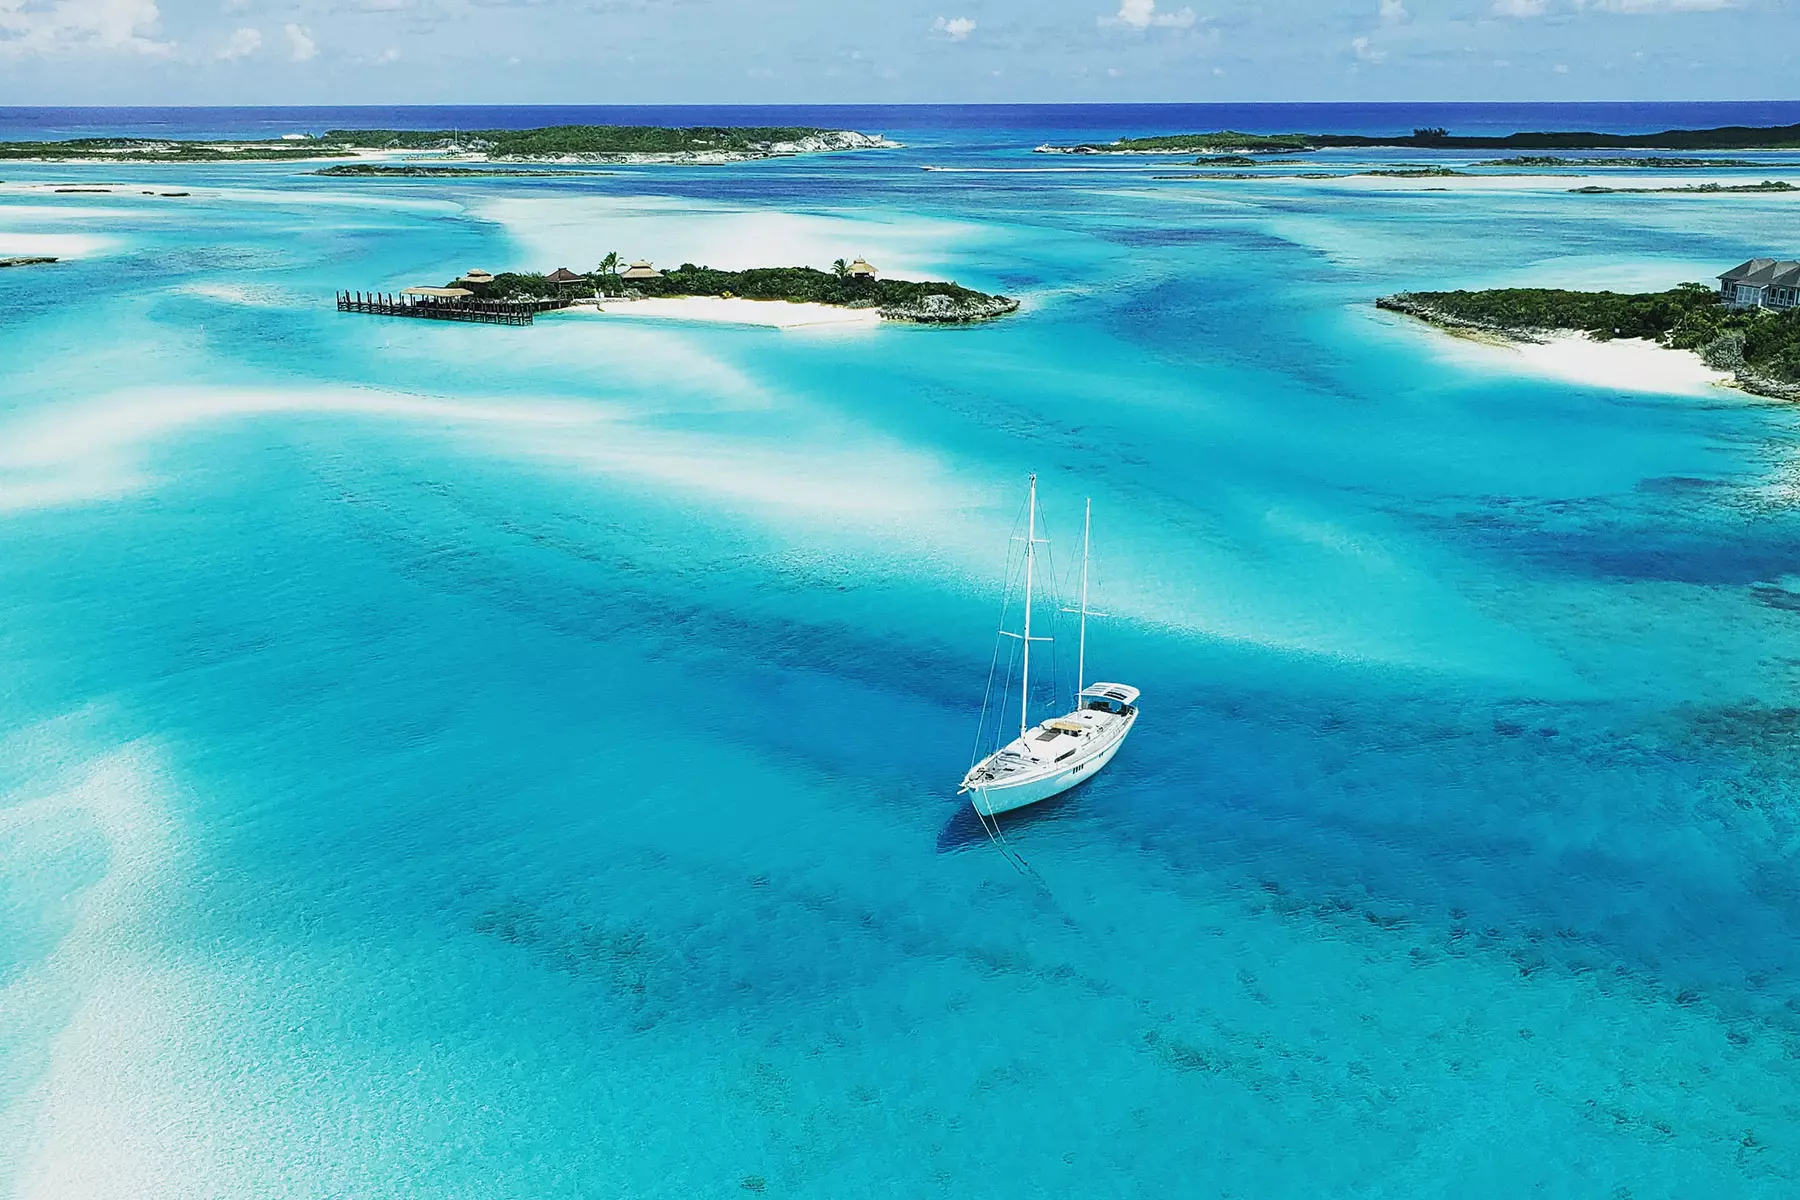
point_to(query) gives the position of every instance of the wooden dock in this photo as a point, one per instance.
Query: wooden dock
(431, 308)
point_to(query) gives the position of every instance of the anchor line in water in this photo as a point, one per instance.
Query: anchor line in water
(990, 825)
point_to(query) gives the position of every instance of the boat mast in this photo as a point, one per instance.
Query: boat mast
(1087, 525)
(1030, 558)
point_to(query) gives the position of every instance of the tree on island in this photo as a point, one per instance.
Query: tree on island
(840, 268)
(610, 264)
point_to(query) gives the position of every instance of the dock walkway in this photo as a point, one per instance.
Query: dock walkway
(482, 312)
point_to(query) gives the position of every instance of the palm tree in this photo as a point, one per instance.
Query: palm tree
(840, 268)
(610, 264)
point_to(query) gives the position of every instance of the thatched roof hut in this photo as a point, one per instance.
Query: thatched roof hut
(641, 270)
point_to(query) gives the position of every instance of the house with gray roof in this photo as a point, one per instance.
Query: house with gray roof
(1762, 283)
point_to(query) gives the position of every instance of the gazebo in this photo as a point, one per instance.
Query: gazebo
(641, 270)
(563, 275)
(477, 276)
(437, 293)
(862, 270)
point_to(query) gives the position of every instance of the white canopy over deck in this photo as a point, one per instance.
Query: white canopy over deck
(1118, 693)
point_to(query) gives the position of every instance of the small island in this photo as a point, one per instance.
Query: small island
(367, 170)
(1228, 141)
(555, 143)
(1405, 171)
(26, 260)
(852, 285)
(1761, 347)
(1670, 162)
(1692, 189)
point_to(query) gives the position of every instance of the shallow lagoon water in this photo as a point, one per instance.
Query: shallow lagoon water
(488, 762)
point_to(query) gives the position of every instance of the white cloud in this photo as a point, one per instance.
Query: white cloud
(301, 47)
(1520, 8)
(241, 44)
(1393, 12)
(1141, 14)
(76, 26)
(957, 28)
(1364, 51)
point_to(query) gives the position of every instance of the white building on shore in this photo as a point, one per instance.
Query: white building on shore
(1762, 283)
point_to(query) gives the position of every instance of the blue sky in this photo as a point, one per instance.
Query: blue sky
(833, 51)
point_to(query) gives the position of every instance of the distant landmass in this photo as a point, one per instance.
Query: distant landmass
(1761, 347)
(555, 143)
(1229, 141)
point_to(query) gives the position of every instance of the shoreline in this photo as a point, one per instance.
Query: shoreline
(1571, 356)
(717, 310)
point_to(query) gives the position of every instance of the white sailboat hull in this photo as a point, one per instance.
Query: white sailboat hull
(1005, 795)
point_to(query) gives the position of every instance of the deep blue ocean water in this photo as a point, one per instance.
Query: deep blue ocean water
(461, 761)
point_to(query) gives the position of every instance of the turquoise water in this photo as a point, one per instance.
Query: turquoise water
(479, 762)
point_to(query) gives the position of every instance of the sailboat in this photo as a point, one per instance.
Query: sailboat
(1052, 756)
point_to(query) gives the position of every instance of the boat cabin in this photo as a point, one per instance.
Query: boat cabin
(1108, 697)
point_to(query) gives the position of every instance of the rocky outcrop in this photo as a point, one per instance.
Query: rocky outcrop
(1412, 306)
(30, 260)
(950, 310)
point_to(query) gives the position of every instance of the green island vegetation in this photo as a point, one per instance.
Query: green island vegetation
(1550, 160)
(1226, 160)
(619, 142)
(927, 302)
(1692, 189)
(1728, 137)
(26, 260)
(420, 171)
(1225, 141)
(1410, 171)
(1760, 346)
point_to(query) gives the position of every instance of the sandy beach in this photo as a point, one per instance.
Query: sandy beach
(1627, 364)
(771, 314)
(1623, 364)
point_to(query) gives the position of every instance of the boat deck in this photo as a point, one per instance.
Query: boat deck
(1050, 744)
